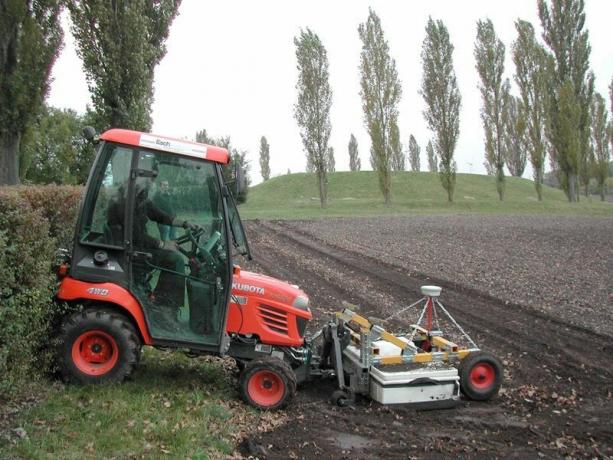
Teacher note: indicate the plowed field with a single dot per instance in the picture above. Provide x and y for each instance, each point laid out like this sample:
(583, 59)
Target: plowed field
(534, 291)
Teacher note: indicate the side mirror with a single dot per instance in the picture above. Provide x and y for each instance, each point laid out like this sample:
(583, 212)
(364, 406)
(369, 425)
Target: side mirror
(90, 134)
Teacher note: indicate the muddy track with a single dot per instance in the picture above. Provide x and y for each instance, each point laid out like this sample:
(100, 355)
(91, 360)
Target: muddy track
(545, 356)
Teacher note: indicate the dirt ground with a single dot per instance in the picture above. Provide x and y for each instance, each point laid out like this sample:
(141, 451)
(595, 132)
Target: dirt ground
(554, 335)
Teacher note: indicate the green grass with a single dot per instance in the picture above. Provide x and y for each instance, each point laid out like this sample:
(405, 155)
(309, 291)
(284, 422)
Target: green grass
(295, 196)
(173, 407)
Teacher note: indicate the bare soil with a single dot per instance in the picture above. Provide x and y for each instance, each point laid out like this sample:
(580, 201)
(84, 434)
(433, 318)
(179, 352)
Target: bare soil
(534, 291)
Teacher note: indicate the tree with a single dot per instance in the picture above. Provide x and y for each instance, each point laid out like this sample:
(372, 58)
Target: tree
(120, 43)
(238, 161)
(414, 151)
(432, 159)
(354, 158)
(30, 39)
(264, 159)
(380, 91)
(489, 53)
(330, 159)
(530, 60)
(440, 91)
(398, 158)
(563, 32)
(601, 136)
(312, 110)
(55, 150)
(515, 139)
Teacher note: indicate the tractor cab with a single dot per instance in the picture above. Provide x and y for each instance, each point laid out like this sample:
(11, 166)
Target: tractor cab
(155, 235)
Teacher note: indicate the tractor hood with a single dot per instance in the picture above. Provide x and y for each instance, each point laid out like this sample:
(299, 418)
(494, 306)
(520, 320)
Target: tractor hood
(254, 285)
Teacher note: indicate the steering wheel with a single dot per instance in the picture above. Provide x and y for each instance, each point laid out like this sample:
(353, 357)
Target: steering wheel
(197, 250)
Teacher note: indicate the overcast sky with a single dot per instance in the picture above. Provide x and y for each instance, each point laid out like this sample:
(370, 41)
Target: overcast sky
(231, 69)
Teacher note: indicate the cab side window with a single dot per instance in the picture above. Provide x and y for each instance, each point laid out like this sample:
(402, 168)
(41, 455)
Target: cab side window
(103, 222)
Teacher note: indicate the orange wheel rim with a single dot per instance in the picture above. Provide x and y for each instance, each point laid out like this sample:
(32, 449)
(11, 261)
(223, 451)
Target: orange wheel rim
(266, 388)
(482, 376)
(95, 353)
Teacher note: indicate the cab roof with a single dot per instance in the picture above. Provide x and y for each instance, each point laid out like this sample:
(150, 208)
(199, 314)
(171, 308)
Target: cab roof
(167, 144)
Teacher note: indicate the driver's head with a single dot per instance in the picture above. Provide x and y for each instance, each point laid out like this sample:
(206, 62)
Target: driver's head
(142, 187)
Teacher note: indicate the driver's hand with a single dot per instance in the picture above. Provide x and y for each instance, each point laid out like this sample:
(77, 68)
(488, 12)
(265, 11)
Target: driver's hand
(191, 226)
(170, 245)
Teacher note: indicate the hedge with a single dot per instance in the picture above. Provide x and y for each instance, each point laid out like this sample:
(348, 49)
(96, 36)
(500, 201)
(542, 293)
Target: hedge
(34, 222)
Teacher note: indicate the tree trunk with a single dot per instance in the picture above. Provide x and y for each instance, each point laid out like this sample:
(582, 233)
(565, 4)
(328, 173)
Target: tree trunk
(323, 192)
(9, 158)
(538, 184)
(500, 183)
(572, 194)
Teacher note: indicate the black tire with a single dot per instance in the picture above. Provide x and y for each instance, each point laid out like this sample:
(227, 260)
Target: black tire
(480, 376)
(97, 346)
(267, 383)
(340, 398)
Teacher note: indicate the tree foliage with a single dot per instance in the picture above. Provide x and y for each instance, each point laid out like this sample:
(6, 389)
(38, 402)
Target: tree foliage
(380, 91)
(54, 151)
(432, 158)
(530, 60)
(398, 157)
(489, 53)
(354, 157)
(414, 151)
(238, 162)
(601, 136)
(515, 136)
(331, 160)
(120, 42)
(440, 91)
(30, 39)
(563, 31)
(312, 110)
(264, 158)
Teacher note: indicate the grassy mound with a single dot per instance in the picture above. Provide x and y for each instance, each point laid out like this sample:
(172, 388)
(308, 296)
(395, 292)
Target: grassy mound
(357, 194)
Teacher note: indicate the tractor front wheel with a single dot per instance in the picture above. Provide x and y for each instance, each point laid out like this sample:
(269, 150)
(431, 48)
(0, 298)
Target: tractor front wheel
(267, 384)
(480, 376)
(97, 346)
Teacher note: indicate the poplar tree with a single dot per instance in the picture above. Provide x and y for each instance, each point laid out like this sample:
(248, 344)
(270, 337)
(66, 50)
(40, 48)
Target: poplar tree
(264, 159)
(432, 159)
(414, 151)
(489, 53)
(440, 91)
(120, 43)
(530, 60)
(30, 39)
(354, 158)
(563, 31)
(380, 92)
(515, 140)
(312, 110)
(602, 134)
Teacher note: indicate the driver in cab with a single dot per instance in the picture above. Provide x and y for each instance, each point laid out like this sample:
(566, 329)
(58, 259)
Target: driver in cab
(170, 287)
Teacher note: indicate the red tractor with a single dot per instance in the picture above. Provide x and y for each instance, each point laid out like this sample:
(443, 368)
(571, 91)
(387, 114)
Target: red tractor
(138, 288)
(153, 264)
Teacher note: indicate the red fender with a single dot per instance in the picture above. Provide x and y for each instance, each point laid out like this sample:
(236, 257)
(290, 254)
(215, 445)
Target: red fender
(72, 289)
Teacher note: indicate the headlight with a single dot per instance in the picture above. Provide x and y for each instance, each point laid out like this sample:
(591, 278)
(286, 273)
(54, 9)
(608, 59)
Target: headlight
(301, 303)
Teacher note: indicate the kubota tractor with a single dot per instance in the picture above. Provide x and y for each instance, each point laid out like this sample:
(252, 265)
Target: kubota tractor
(157, 270)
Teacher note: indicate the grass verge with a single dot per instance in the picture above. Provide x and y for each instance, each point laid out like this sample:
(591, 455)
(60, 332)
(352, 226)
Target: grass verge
(173, 407)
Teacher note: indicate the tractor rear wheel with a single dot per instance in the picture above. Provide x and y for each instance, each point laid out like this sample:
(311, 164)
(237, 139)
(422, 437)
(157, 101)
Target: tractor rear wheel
(480, 376)
(97, 346)
(267, 383)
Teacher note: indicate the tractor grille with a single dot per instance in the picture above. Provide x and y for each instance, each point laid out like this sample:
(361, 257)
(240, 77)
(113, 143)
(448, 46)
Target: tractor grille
(274, 318)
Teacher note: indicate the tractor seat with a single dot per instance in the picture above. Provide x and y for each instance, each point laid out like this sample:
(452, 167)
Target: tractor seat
(431, 291)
